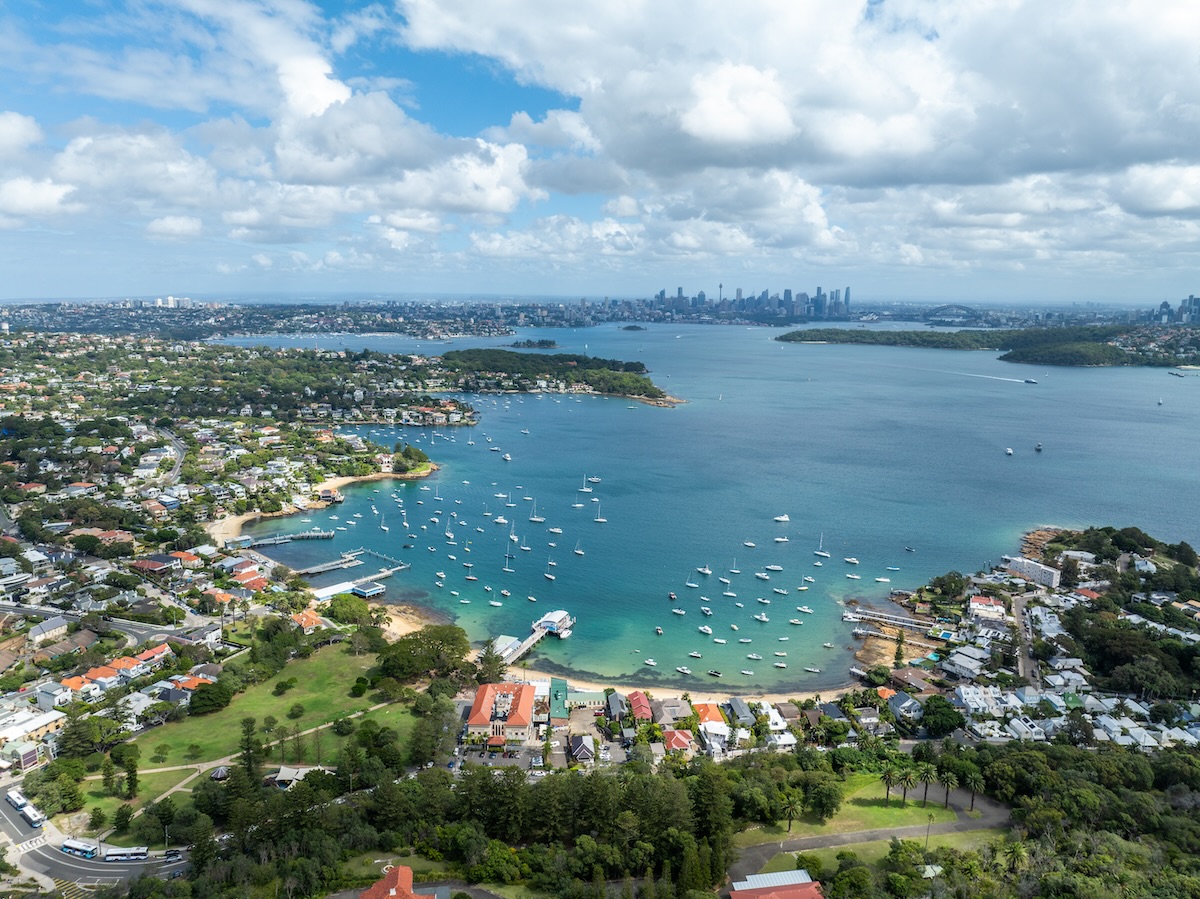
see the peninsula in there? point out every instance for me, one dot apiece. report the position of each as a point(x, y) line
point(1107, 345)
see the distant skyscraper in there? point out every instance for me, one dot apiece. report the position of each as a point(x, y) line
point(679, 292)
point(847, 300)
point(787, 295)
point(739, 295)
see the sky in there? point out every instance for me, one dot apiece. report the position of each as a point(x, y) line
point(912, 149)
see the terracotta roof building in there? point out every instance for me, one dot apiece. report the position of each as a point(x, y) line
point(397, 883)
point(503, 713)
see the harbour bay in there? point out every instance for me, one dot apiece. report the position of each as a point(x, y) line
point(868, 450)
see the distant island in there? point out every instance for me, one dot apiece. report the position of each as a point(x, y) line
point(1089, 345)
point(632, 328)
point(535, 344)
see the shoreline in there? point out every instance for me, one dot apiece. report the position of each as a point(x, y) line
point(229, 527)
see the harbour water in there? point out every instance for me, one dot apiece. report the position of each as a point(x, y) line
point(869, 451)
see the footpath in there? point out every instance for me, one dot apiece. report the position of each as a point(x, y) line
point(992, 814)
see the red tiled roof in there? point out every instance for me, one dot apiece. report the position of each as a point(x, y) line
point(794, 891)
point(521, 712)
point(639, 706)
point(397, 883)
point(677, 739)
point(708, 711)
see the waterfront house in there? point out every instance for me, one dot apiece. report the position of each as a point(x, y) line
point(740, 712)
point(639, 706)
point(670, 710)
point(678, 741)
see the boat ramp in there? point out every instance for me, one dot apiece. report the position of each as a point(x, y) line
point(912, 624)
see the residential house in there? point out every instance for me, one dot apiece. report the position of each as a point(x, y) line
point(678, 741)
point(308, 621)
point(50, 629)
point(583, 748)
point(670, 710)
point(397, 883)
point(639, 706)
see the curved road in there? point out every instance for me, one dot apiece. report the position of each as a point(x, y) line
point(992, 814)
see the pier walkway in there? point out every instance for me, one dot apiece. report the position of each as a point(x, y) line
point(912, 624)
point(276, 539)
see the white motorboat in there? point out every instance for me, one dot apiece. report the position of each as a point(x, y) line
point(650, 662)
point(854, 577)
point(850, 560)
point(684, 669)
point(805, 609)
point(755, 656)
point(812, 670)
point(781, 664)
point(747, 672)
point(695, 655)
point(795, 621)
point(705, 629)
point(762, 575)
point(761, 617)
point(782, 519)
point(679, 611)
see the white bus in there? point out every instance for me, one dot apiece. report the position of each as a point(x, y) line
point(33, 816)
point(134, 853)
point(15, 799)
point(82, 848)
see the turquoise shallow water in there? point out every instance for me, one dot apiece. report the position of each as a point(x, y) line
point(868, 450)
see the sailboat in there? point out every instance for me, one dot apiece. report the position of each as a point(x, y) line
point(579, 547)
point(382, 526)
point(820, 551)
point(548, 574)
point(507, 569)
point(598, 518)
point(585, 488)
point(533, 515)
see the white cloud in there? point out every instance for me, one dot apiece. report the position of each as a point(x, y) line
point(175, 226)
point(17, 132)
point(25, 197)
point(738, 104)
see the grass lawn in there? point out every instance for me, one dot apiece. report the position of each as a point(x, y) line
point(873, 852)
point(323, 684)
point(150, 786)
point(862, 808)
point(370, 865)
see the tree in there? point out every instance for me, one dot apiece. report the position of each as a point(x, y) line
point(492, 667)
point(1069, 578)
point(825, 799)
point(121, 817)
point(926, 774)
point(973, 781)
point(161, 751)
point(348, 609)
point(208, 698)
point(949, 780)
point(194, 751)
point(890, 778)
point(793, 806)
point(439, 650)
point(108, 774)
point(296, 711)
point(251, 747)
point(940, 717)
point(270, 722)
point(907, 779)
point(97, 819)
point(131, 776)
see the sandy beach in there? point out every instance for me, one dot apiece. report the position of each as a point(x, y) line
point(230, 526)
point(403, 619)
point(704, 692)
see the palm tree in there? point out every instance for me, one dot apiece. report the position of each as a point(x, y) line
point(907, 780)
point(949, 780)
point(793, 806)
point(974, 782)
point(890, 777)
point(1016, 855)
point(926, 774)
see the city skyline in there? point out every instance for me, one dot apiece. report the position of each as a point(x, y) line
point(920, 150)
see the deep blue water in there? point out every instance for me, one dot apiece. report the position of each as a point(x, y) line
point(868, 450)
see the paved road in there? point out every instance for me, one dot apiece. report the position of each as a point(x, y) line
point(136, 630)
point(50, 860)
point(992, 814)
